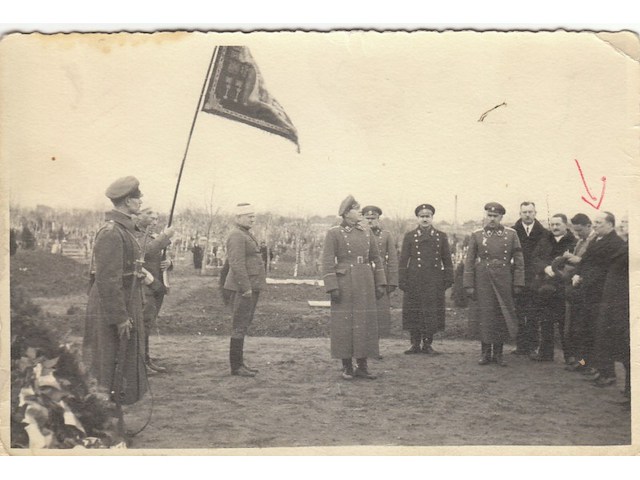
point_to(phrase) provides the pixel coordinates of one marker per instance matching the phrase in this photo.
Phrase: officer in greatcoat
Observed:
(353, 274)
(426, 271)
(154, 288)
(389, 254)
(246, 278)
(493, 272)
(114, 308)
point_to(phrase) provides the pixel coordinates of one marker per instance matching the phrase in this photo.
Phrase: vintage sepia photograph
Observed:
(326, 242)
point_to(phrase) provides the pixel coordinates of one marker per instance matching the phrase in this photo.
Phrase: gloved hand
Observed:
(380, 291)
(335, 296)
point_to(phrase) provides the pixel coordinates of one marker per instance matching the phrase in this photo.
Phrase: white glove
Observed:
(148, 278)
(549, 271)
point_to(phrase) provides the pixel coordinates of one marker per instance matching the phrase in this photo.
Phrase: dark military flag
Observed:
(236, 90)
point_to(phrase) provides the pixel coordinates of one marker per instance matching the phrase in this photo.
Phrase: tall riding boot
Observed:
(497, 354)
(347, 369)
(146, 349)
(415, 342)
(235, 358)
(362, 370)
(486, 354)
(254, 370)
(147, 358)
(426, 345)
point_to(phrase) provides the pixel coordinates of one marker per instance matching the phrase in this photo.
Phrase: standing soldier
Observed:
(114, 308)
(389, 255)
(154, 289)
(349, 277)
(426, 271)
(490, 277)
(245, 279)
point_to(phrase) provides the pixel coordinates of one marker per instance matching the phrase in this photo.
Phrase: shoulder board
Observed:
(336, 227)
(478, 230)
(109, 225)
(509, 229)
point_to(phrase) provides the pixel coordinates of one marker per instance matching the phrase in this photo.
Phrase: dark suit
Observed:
(526, 306)
(549, 291)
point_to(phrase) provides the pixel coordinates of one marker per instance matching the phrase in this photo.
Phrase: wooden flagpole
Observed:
(193, 124)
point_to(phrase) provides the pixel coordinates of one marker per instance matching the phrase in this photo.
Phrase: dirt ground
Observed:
(299, 399)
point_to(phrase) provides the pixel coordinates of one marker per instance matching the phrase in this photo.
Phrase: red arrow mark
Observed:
(584, 182)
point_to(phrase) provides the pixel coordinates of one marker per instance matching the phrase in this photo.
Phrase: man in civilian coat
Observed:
(114, 308)
(389, 254)
(493, 271)
(246, 278)
(550, 291)
(353, 274)
(579, 339)
(529, 231)
(590, 277)
(613, 344)
(426, 271)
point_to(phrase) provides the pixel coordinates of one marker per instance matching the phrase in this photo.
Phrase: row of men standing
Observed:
(579, 283)
(361, 269)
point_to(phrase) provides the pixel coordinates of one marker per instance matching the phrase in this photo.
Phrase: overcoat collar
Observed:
(121, 218)
(348, 227)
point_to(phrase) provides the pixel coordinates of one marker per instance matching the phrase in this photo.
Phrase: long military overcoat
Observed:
(111, 301)
(425, 272)
(347, 258)
(389, 255)
(493, 266)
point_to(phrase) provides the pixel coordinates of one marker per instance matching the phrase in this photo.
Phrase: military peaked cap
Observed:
(371, 209)
(124, 187)
(424, 206)
(347, 204)
(495, 207)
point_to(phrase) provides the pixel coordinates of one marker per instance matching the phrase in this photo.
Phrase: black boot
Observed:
(362, 371)
(486, 354)
(415, 343)
(347, 369)
(251, 369)
(497, 354)
(235, 359)
(426, 346)
(151, 365)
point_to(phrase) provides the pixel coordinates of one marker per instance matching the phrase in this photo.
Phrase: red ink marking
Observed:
(604, 185)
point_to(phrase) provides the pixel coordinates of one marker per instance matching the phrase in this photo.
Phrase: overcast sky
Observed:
(389, 118)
